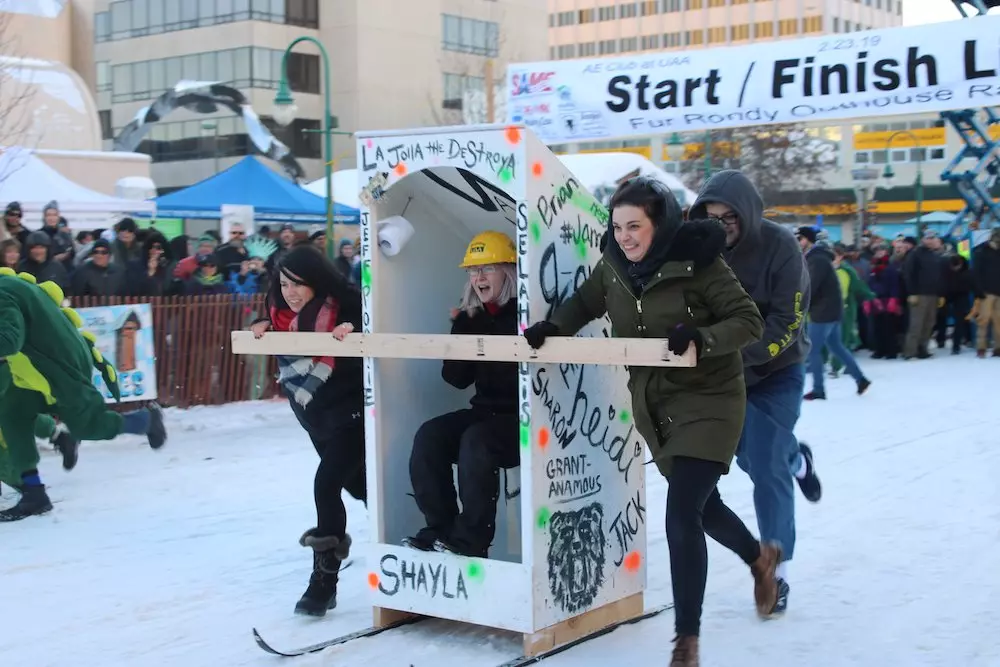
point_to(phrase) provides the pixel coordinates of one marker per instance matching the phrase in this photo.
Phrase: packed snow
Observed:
(170, 557)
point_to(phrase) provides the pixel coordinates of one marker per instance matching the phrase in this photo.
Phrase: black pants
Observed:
(694, 508)
(885, 328)
(958, 309)
(340, 444)
(481, 443)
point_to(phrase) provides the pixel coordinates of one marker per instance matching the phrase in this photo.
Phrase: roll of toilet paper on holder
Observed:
(393, 234)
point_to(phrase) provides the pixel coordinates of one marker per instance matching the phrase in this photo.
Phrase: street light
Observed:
(865, 181)
(285, 112)
(675, 148)
(918, 184)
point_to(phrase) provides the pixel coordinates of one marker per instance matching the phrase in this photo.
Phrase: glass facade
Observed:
(137, 18)
(191, 140)
(243, 68)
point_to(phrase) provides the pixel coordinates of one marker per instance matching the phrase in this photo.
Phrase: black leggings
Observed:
(694, 508)
(341, 449)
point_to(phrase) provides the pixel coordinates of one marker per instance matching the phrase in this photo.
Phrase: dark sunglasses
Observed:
(99, 252)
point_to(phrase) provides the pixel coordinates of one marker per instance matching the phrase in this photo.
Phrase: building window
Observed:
(627, 11)
(763, 30)
(649, 7)
(650, 42)
(136, 18)
(788, 27)
(606, 13)
(606, 47)
(716, 3)
(740, 33)
(566, 51)
(456, 86)
(102, 26)
(466, 35)
(671, 5)
(717, 35)
(585, 16)
(813, 24)
(107, 132)
(693, 4)
(587, 49)
(102, 76)
(303, 72)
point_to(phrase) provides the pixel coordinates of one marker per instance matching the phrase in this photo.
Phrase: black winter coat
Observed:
(923, 272)
(986, 270)
(496, 382)
(92, 280)
(827, 300)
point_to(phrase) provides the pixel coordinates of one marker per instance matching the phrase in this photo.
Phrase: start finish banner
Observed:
(887, 72)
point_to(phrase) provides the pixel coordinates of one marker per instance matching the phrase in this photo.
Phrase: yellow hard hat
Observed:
(490, 248)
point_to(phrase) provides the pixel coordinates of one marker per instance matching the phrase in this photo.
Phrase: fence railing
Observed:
(194, 360)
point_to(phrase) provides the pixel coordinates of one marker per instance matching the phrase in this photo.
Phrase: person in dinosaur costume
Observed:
(46, 366)
(856, 293)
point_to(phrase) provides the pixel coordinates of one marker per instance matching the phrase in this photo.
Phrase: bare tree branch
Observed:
(779, 159)
(16, 91)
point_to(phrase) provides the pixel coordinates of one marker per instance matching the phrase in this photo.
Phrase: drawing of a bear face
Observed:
(576, 556)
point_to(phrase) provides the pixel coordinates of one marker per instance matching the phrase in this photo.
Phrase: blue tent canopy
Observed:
(250, 183)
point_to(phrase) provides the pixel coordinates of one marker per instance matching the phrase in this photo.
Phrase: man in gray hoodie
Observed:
(766, 258)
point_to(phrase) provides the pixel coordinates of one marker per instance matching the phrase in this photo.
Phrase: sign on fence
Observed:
(888, 72)
(125, 337)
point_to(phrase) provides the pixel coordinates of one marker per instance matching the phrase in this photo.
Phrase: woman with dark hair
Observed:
(660, 277)
(327, 396)
(153, 273)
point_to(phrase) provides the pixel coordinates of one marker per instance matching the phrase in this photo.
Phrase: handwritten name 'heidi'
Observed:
(434, 580)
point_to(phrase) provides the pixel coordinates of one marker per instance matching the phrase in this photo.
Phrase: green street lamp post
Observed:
(918, 185)
(675, 151)
(285, 111)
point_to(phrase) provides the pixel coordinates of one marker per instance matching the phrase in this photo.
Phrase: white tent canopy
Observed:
(345, 187)
(26, 179)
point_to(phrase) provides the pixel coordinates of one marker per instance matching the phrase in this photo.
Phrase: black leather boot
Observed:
(34, 501)
(328, 553)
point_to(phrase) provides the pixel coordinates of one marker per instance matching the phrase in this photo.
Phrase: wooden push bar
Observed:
(557, 349)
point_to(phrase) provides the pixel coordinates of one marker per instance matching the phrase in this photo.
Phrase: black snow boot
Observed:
(328, 553)
(67, 445)
(810, 484)
(157, 433)
(34, 502)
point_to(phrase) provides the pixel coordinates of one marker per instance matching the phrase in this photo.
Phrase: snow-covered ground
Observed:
(170, 557)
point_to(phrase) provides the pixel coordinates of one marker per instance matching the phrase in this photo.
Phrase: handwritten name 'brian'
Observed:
(424, 578)
(473, 153)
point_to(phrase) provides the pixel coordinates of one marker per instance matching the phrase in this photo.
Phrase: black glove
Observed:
(538, 332)
(682, 337)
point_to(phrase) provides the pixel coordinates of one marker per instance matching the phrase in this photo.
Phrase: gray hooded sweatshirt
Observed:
(768, 261)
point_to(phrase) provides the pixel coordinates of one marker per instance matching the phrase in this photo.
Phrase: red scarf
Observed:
(284, 319)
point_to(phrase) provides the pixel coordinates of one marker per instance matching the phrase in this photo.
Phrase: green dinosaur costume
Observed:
(47, 369)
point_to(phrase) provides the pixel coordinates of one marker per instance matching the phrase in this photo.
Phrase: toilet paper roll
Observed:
(393, 234)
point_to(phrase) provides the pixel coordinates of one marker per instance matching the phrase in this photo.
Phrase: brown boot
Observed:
(685, 652)
(765, 588)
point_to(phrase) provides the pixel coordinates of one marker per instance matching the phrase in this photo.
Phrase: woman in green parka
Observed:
(661, 277)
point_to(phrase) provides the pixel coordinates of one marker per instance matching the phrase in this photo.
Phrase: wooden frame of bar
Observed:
(557, 350)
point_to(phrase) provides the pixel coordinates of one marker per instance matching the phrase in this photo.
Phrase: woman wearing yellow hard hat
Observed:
(484, 437)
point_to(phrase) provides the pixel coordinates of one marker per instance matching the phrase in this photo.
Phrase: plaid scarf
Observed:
(301, 377)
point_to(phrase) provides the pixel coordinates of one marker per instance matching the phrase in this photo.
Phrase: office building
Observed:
(393, 64)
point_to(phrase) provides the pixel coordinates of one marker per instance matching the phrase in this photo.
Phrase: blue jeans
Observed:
(828, 334)
(769, 453)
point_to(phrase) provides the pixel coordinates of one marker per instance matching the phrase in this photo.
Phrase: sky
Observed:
(916, 12)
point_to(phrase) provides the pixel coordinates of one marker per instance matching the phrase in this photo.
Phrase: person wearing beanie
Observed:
(12, 226)
(768, 263)
(826, 310)
(208, 279)
(286, 241)
(98, 275)
(924, 273)
(660, 276)
(185, 268)
(40, 263)
(61, 248)
(126, 247)
(343, 262)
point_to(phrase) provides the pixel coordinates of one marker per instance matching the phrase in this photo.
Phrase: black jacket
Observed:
(986, 270)
(496, 382)
(92, 280)
(923, 272)
(827, 299)
(769, 264)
